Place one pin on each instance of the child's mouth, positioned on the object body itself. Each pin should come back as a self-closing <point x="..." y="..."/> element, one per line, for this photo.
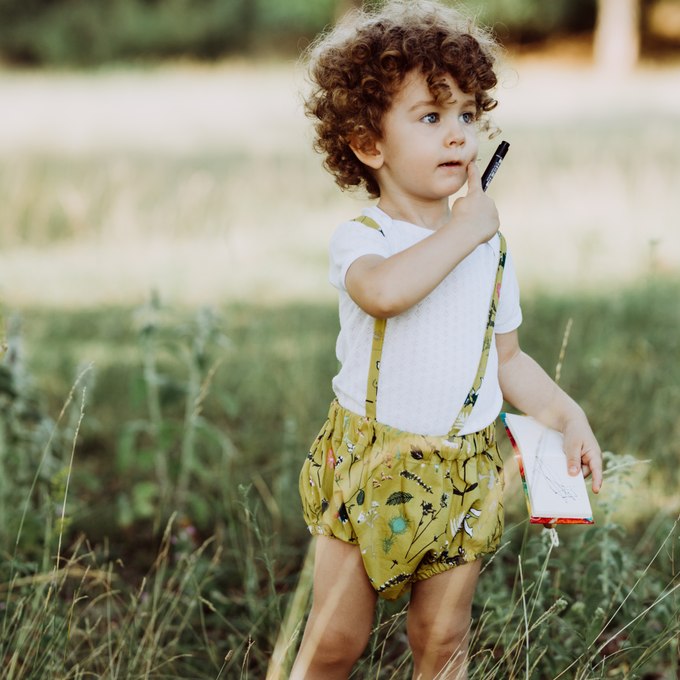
<point x="450" y="164"/>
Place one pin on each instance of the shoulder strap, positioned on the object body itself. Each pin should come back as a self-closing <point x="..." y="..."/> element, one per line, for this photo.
<point x="473" y="394"/>
<point x="377" y="345"/>
<point x="374" y="367"/>
<point x="369" y="222"/>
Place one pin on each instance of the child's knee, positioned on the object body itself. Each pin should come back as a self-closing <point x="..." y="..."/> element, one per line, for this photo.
<point x="443" y="640"/>
<point x="339" y="645"/>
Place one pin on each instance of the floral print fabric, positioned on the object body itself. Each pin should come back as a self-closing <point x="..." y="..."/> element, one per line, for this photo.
<point x="416" y="505"/>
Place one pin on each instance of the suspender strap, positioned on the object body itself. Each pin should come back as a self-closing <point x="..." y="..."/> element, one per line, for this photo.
<point x="376" y="347"/>
<point x="374" y="368"/>
<point x="369" y="222"/>
<point x="379" y="337"/>
<point x="473" y="394"/>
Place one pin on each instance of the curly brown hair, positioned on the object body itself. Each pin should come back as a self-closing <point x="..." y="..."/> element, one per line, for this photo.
<point x="357" y="68"/>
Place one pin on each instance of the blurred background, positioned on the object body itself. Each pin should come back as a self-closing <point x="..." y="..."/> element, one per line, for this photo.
<point x="170" y="329"/>
<point x="166" y="138"/>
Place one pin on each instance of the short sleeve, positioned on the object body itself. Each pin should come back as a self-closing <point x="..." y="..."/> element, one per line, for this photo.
<point x="509" y="314"/>
<point x="351" y="241"/>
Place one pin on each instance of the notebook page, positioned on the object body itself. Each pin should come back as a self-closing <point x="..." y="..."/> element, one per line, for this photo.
<point x="552" y="491"/>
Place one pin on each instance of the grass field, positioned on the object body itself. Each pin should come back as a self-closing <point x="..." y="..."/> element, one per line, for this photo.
<point x="201" y="183"/>
<point x="171" y="333"/>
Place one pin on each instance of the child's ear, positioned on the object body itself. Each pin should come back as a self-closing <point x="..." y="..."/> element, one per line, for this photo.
<point x="367" y="150"/>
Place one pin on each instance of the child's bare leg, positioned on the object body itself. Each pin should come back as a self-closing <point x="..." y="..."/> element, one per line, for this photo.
<point x="341" y="618"/>
<point x="438" y="623"/>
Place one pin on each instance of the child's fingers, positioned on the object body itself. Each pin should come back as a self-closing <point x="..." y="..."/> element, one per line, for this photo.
<point x="474" y="180"/>
<point x="573" y="452"/>
<point x="585" y="456"/>
<point x="573" y="448"/>
<point x="593" y="461"/>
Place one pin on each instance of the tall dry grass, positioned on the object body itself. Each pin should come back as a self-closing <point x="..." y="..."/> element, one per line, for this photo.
<point x="162" y="534"/>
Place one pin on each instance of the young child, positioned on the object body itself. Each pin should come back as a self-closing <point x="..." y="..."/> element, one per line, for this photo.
<point x="403" y="486"/>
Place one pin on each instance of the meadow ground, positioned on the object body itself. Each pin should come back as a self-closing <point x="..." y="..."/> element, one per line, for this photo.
<point x="163" y="280"/>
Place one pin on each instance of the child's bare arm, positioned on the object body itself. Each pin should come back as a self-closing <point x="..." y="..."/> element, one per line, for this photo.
<point x="385" y="287"/>
<point x="528" y="388"/>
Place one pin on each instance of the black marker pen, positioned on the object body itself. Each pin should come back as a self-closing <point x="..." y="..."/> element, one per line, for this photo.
<point x="494" y="164"/>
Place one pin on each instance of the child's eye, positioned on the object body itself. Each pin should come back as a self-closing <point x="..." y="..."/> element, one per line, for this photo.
<point x="430" y="118"/>
<point x="468" y="117"/>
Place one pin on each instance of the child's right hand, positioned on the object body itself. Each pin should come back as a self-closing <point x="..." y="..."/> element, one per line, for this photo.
<point x="384" y="287"/>
<point x="475" y="211"/>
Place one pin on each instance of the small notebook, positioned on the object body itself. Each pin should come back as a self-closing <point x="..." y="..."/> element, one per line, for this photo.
<point x="553" y="496"/>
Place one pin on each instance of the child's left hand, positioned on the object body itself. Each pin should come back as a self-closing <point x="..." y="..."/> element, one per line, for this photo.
<point x="582" y="450"/>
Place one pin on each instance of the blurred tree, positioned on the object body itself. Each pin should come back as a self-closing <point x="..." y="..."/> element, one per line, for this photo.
<point x="89" y="32"/>
<point x="617" y="36"/>
<point x="344" y="6"/>
<point x="661" y="28"/>
<point x="529" y="21"/>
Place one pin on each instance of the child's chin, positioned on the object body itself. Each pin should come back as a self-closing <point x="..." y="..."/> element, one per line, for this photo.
<point x="454" y="175"/>
<point x="455" y="186"/>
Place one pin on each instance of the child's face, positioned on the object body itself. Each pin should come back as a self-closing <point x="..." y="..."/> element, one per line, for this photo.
<point x="426" y="147"/>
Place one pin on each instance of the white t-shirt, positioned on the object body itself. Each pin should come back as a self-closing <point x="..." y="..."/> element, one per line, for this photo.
<point x="431" y="351"/>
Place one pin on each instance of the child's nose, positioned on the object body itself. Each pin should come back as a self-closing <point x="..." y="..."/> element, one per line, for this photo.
<point x="455" y="135"/>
